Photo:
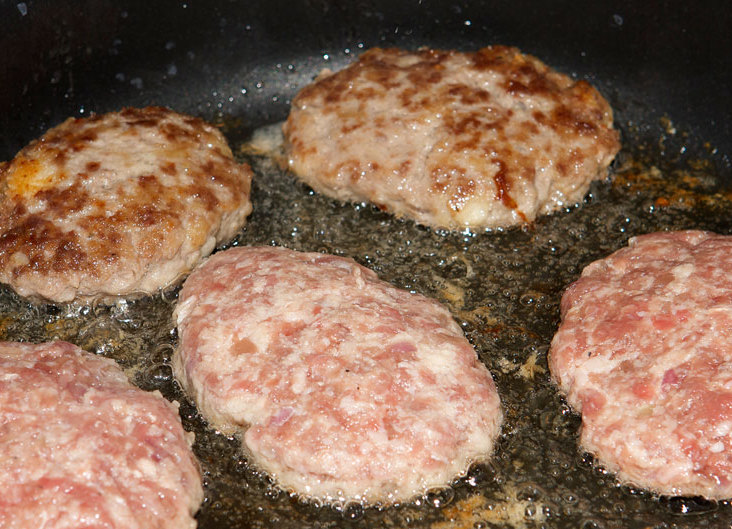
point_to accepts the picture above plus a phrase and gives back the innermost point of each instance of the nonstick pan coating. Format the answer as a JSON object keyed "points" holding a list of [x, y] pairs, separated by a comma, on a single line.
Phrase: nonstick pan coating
{"points": [[666, 69]]}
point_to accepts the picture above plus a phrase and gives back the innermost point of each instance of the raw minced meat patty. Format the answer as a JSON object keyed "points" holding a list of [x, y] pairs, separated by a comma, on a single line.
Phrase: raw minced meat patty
{"points": [[347, 388], [452, 140], [117, 204], [82, 448], [644, 351]]}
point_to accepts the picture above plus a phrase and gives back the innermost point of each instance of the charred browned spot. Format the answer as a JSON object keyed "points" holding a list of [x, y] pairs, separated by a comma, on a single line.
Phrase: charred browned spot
{"points": [[194, 122], [529, 82], [444, 176], [384, 75], [490, 57], [103, 231], [203, 195], [61, 202], [10, 239], [145, 123], [69, 255], [466, 130], [147, 216], [404, 167], [214, 171], [168, 168], [18, 211], [148, 181], [564, 120], [130, 112], [516, 88], [38, 239], [503, 188], [140, 114], [88, 136], [174, 132], [539, 117], [59, 158], [468, 95], [336, 94], [99, 204], [92, 166], [423, 74], [83, 140], [464, 123], [350, 169], [406, 96], [363, 94], [567, 165], [345, 129], [529, 128]]}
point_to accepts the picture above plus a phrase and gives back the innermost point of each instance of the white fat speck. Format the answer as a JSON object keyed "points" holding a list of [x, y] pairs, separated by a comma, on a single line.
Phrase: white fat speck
{"points": [[723, 428], [299, 381], [681, 273], [717, 447]]}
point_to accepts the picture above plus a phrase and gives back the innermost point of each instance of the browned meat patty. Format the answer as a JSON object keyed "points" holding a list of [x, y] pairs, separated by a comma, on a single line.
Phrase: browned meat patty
{"points": [[644, 351], [347, 388], [82, 448], [451, 140], [117, 204]]}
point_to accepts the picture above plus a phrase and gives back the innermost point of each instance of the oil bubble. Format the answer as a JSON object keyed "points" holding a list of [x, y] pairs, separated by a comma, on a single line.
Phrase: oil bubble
{"points": [[352, 511], [439, 497], [529, 493], [158, 374], [272, 493], [689, 506], [170, 295], [163, 353]]}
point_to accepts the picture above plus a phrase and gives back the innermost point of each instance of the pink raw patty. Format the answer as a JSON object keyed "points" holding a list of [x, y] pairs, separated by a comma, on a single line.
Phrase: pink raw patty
{"points": [[350, 388], [644, 353], [81, 447]]}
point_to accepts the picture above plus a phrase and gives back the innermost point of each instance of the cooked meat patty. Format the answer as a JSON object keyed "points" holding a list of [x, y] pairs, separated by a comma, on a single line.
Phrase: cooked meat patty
{"points": [[82, 448], [451, 140], [644, 351], [347, 388], [117, 204]]}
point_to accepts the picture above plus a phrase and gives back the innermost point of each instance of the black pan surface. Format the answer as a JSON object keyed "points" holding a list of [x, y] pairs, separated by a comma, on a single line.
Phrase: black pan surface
{"points": [[665, 67]]}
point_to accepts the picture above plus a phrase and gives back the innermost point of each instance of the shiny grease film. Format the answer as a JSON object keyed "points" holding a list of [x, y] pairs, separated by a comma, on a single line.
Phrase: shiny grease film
{"points": [[502, 286]]}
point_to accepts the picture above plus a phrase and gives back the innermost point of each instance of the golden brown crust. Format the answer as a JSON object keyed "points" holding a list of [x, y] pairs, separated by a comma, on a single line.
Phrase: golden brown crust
{"points": [[451, 139], [117, 203]]}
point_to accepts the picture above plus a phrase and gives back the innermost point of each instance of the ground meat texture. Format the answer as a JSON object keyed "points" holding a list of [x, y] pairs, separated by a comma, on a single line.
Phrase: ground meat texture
{"points": [[345, 388], [117, 204], [644, 351], [84, 449], [452, 140]]}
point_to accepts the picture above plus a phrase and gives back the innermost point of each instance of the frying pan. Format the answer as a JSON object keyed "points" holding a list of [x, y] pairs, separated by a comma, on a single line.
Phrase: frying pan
{"points": [[665, 67]]}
